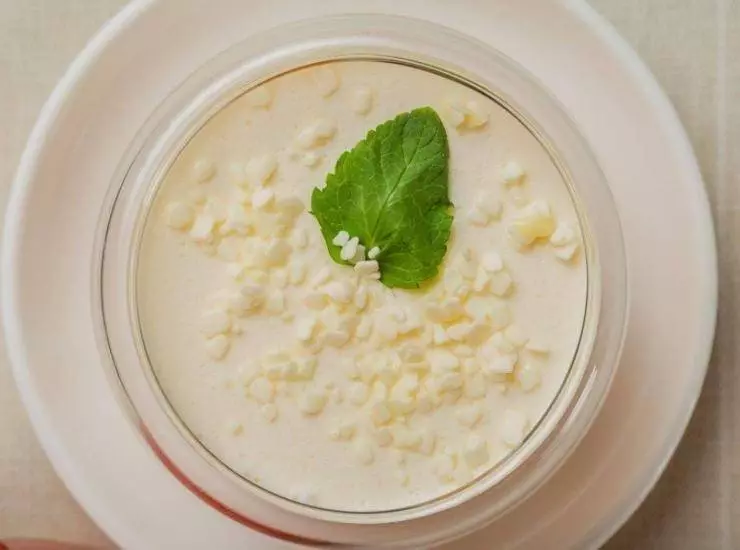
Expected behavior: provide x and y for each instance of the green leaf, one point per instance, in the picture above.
(391, 191)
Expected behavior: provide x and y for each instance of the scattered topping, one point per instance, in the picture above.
(475, 453)
(214, 323)
(203, 170)
(466, 115)
(513, 427)
(317, 134)
(362, 100)
(512, 173)
(260, 170)
(312, 402)
(532, 222)
(179, 216)
(327, 80)
(217, 347)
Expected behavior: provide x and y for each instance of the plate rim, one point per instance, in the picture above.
(22, 182)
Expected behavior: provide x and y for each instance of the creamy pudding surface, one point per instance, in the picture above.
(309, 375)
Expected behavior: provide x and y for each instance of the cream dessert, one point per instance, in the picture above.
(305, 360)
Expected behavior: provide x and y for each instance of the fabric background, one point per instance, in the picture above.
(692, 47)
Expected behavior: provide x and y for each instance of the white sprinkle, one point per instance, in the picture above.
(312, 402)
(364, 452)
(214, 323)
(564, 234)
(513, 427)
(529, 376)
(349, 249)
(566, 253)
(373, 253)
(262, 198)
(512, 173)
(327, 80)
(260, 170)
(300, 238)
(202, 230)
(340, 291)
(476, 451)
(367, 268)
(362, 100)
(203, 170)
(310, 159)
(217, 347)
(340, 239)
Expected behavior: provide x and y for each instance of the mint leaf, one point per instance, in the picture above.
(391, 191)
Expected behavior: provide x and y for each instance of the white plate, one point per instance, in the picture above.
(150, 47)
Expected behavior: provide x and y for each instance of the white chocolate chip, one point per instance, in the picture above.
(529, 376)
(202, 229)
(532, 222)
(327, 80)
(203, 170)
(563, 235)
(469, 416)
(367, 268)
(476, 452)
(277, 252)
(341, 292)
(501, 364)
(341, 238)
(445, 312)
(535, 345)
(306, 328)
(300, 239)
(316, 134)
(475, 114)
(566, 253)
(501, 284)
(512, 173)
(361, 101)
(237, 220)
(513, 427)
(218, 346)
(214, 323)
(349, 249)
(179, 215)
(444, 467)
(312, 402)
(364, 452)
(516, 336)
(262, 198)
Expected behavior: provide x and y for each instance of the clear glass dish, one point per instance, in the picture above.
(418, 44)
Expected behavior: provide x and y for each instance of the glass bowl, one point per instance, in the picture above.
(449, 54)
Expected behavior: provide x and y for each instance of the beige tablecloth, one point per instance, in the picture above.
(692, 46)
